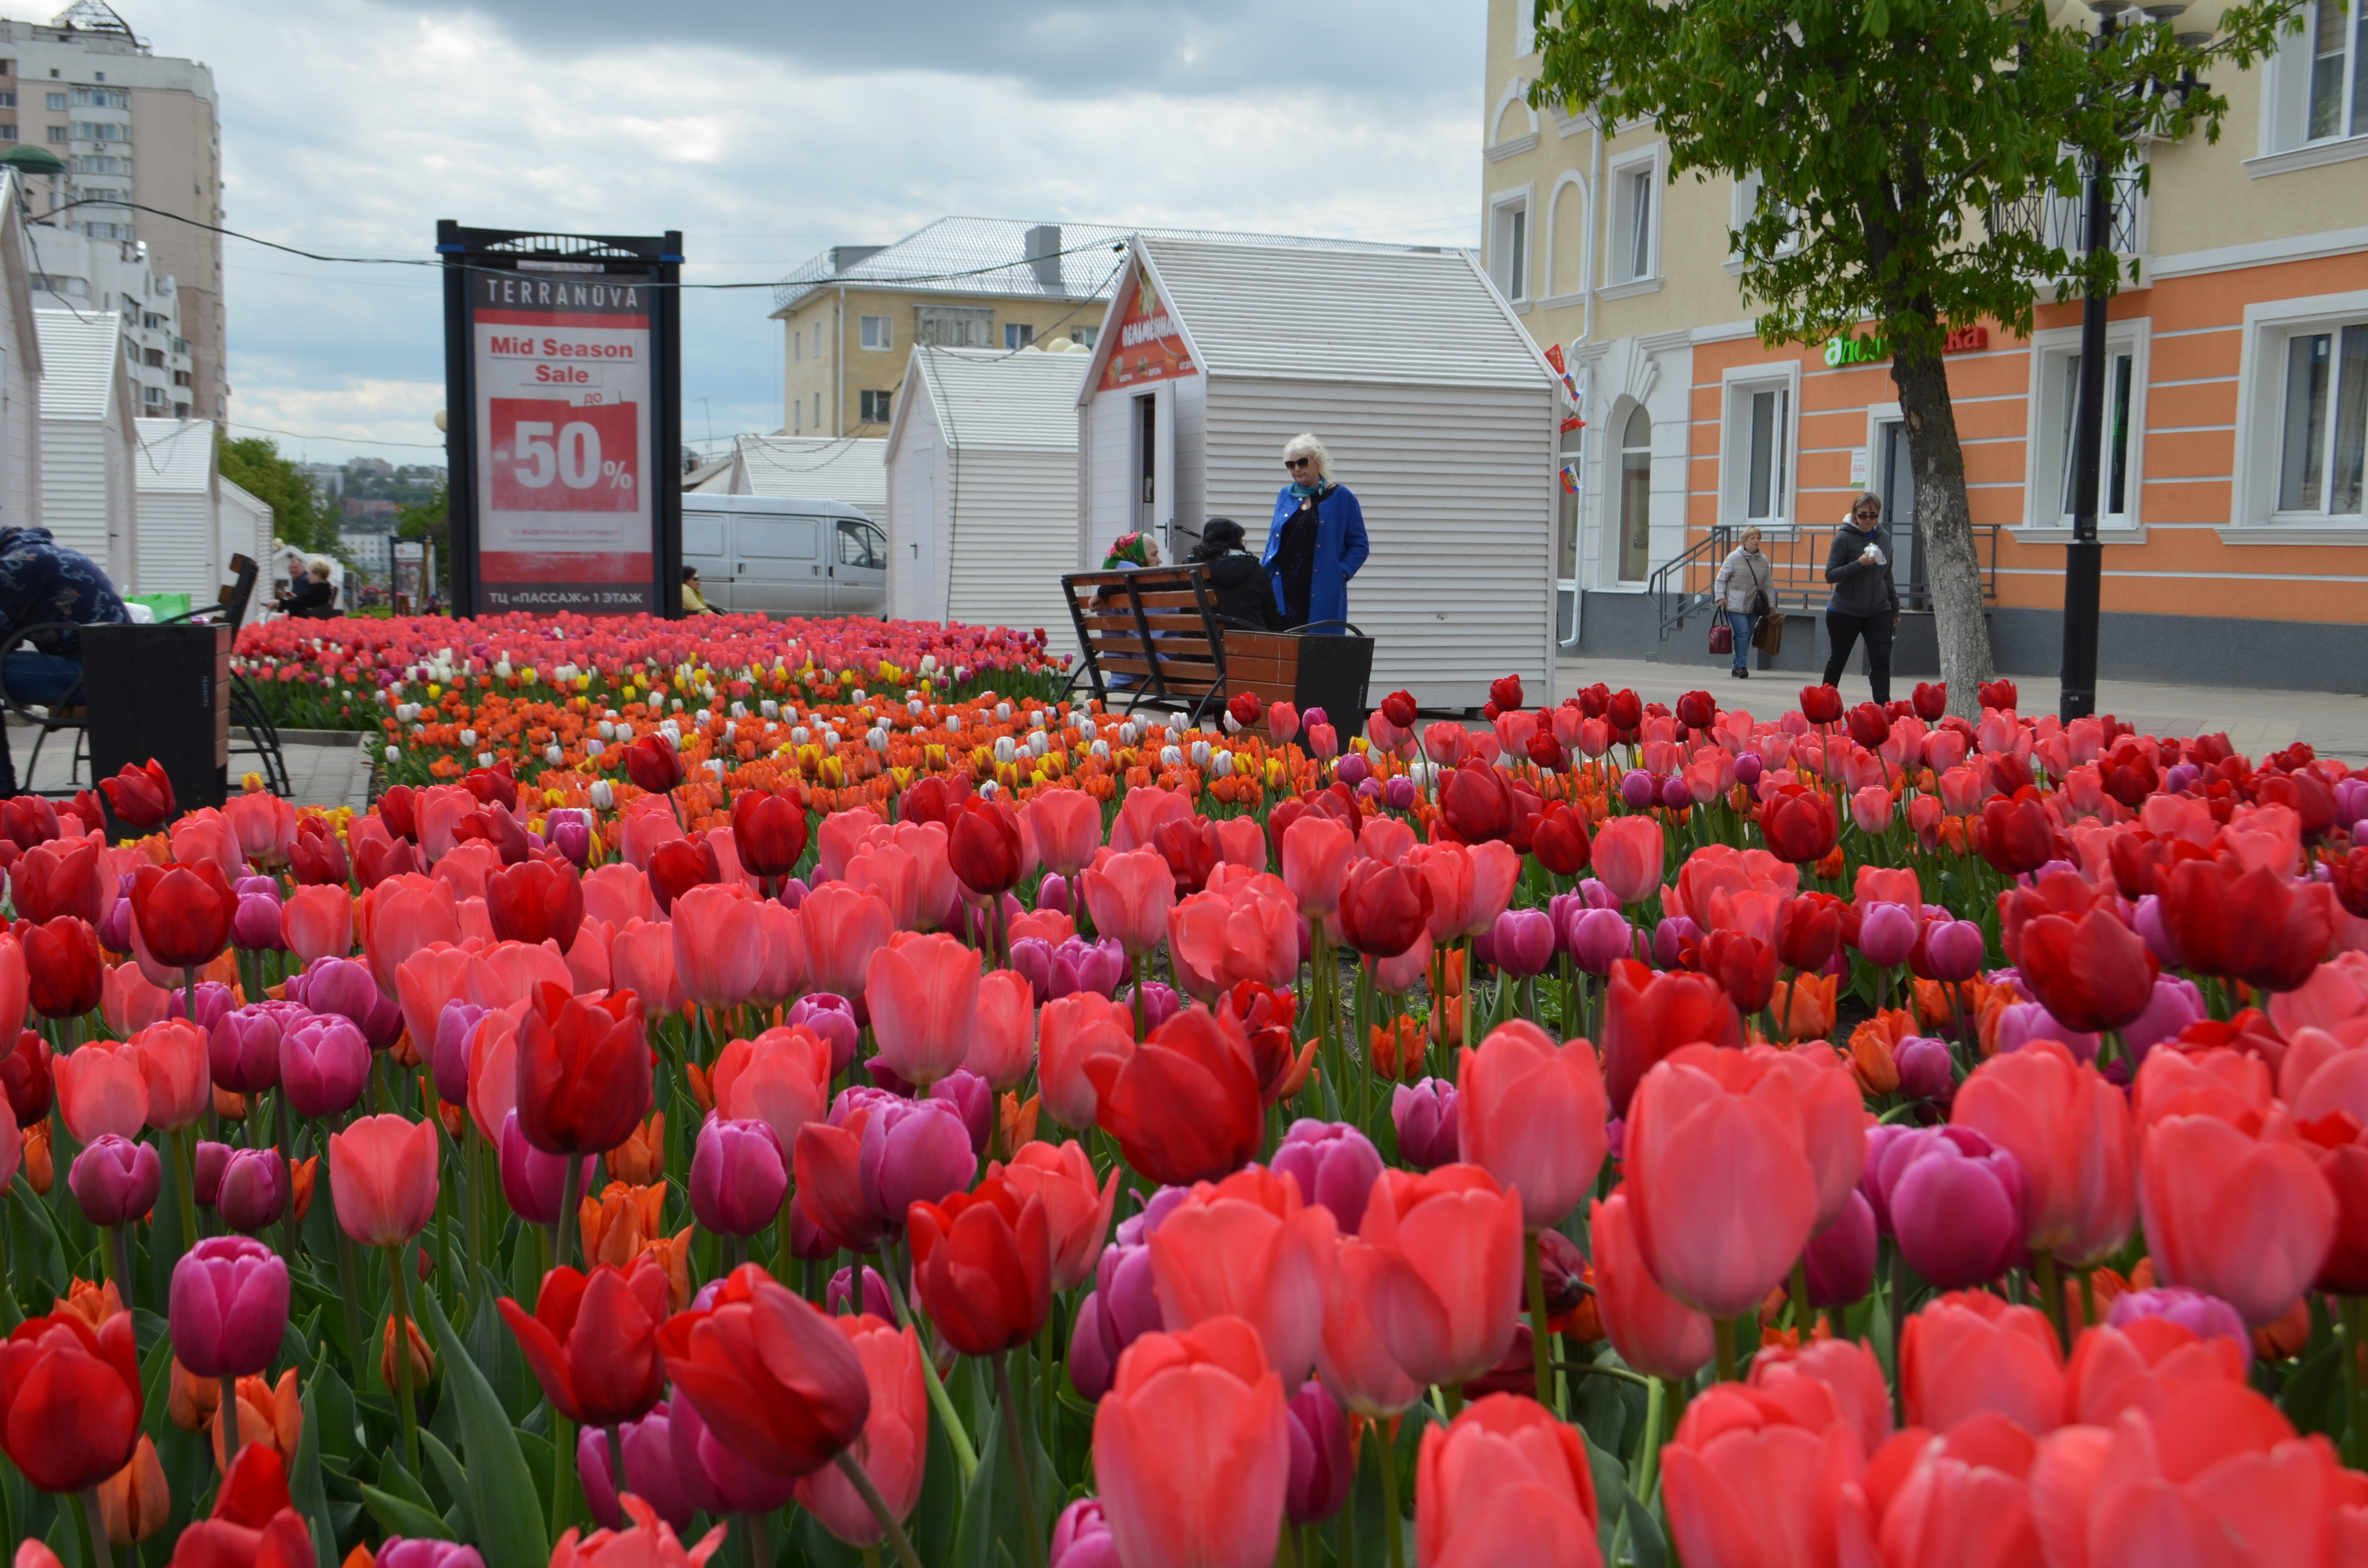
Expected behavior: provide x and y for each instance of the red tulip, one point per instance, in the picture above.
(1076, 1211)
(1967, 1496)
(983, 844)
(894, 1446)
(1475, 803)
(141, 797)
(399, 916)
(1184, 1105)
(678, 866)
(1809, 930)
(2095, 975)
(827, 1161)
(1821, 704)
(768, 1375)
(1130, 895)
(1384, 909)
(2254, 925)
(1067, 826)
(1249, 1247)
(101, 1088)
(1744, 966)
(2016, 835)
(1531, 1114)
(1652, 1014)
(2070, 1132)
(65, 972)
(70, 1398)
(1398, 708)
(1968, 1351)
(2351, 881)
(1190, 848)
(177, 1066)
(2144, 1366)
(1560, 840)
(534, 902)
(319, 858)
(2249, 1220)
(1930, 700)
(28, 1076)
(1315, 853)
(769, 831)
(1829, 1378)
(584, 1071)
(592, 1342)
(46, 884)
(1192, 1450)
(843, 926)
(1653, 1332)
(383, 1170)
(983, 1267)
(1749, 1480)
(318, 921)
(1628, 856)
(1437, 1267)
(184, 914)
(653, 764)
(1506, 1482)
(1799, 824)
(1069, 1031)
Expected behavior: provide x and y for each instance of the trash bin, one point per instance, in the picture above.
(162, 692)
(1311, 669)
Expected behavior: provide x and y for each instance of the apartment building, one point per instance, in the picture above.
(852, 316)
(136, 127)
(2237, 389)
(73, 271)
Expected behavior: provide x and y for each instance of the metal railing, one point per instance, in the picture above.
(1681, 586)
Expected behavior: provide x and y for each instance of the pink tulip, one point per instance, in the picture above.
(923, 994)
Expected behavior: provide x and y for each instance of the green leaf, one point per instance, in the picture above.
(1648, 1548)
(1611, 1479)
(400, 1483)
(403, 1518)
(511, 1536)
(453, 1480)
(304, 1488)
(51, 1245)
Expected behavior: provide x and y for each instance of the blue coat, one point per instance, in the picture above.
(1340, 549)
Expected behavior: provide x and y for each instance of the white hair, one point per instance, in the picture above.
(1307, 445)
(317, 565)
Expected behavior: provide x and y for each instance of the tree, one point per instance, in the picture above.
(431, 520)
(1884, 133)
(299, 515)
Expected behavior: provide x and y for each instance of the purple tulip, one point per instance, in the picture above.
(1398, 794)
(2176, 1004)
(1484, 948)
(2156, 932)
(1953, 1201)
(1334, 1164)
(399, 1552)
(255, 927)
(205, 1171)
(1032, 959)
(1352, 769)
(448, 1058)
(972, 1098)
(913, 1151)
(2181, 776)
(1637, 788)
(1123, 1303)
(254, 1190)
(1598, 896)
(1093, 1349)
(532, 1181)
(115, 1180)
(1079, 965)
(1599, 938)
(2020, 1023)
(738, 1177)
(1082, 1538)
(570, 835)
(1052, 893)
(1670, 938)
(1525, 941)
(1321, 1468)
(228, 1307)
(1926, 1071)
(243, 1049)
(2200, 1314)
(832, 1016)
(1747, 768)
(711, 1477)
(1561, 910)
(332, 984)
(214, 999)
(323, 1062)
(1886, 934)
(1676, 794)
(1952, 950)
(1160, 1003)
(1562, 1268)
(1840, 1258)
(2351, 798)
(839, 1296)
(649, 1468)
(1424, 1114)
(793, 891)
(115, 925)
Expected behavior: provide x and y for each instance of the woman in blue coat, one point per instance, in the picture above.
(1317, 539)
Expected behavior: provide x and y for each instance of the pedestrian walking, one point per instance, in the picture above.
(1316, 540)
(1746, 590)
(1866, 601)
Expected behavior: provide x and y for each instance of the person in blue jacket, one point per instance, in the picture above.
(1317, 539)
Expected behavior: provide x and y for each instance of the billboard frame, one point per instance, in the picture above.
(467, 250)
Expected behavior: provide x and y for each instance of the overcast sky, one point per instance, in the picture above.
(766, 131)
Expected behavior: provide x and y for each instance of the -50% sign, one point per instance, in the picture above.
(553, 456)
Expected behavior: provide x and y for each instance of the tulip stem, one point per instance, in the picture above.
(185, 1184)
(1898, 1306)
(119, 1244)
(230, 1423)
(1019, 1476)
(965, 1456)
(2354, 1312)
(406, 1413)
(287, 1118)
(898, 1541)
(1393, 1522)
(349, 1297)
(93, 1520)
(562, 1474)
(1725, 1329)
(1648, 1463)
(571, 1191)
(1533, 1263)
(616, 1458)
(2050, 1288)
(1799, 1291)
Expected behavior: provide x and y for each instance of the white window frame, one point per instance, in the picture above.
(1621, 279)
(1738, 385)
(2260, 423)
(2046, 437)
(1745, 203)
(2286, 143)
(1571, 186)
(1511, 265)
(878, 335)
(1516, 96)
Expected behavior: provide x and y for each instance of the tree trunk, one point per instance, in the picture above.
(1944, 523)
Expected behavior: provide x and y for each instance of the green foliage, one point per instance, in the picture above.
(299, 515)
(1884, 131)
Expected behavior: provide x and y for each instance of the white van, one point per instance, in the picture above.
(783, 557)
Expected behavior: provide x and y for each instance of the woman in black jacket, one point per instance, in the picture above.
(1244, 592)
(1865, 600)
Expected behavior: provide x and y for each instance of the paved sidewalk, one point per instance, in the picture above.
(2335, 724)
(330, 774)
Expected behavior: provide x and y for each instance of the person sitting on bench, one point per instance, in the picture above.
(1243, 590)
(313, 600)
(43, 582)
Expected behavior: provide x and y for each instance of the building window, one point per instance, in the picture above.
(1018, 335)
(875, 332)
(57, 100)
(1508, 247)
(875, 408)
(1633, 247)
(154, 357)
(2056, 414)
(798, 417)
(152, 396)
(93, 163)
(2324, 421)
(101, 98)
(7, 133)
(1636, 498)
(797, 347)
(1088, 336)
(180, 378)
(817, 419)
(1760, 427)
(7, 100)
(2338, 91)
(101, 131)
(58, 135)
(954, 326)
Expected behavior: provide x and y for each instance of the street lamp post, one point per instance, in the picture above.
(2084, 557)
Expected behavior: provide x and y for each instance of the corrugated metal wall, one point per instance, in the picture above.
(75, 484)
(176, 545)
(1013, 536)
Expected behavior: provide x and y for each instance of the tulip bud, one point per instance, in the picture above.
(1423, 1115)
(423, 1363)
(228, 1306)
(571, 833)
(254, 1190)
(1886, 934)
(206, 1170)
(738, 1177)
(2201, 1315)
(1524, 942)
(214, 999)
(532, 1181)
(1082, 1538)
(115, 1180)
(1953, 1199)
(256, 926)
(1334, 1164)
(831, 1017)
(1599, 938)
(455, 1026)
(1952, 950)
(1927, 1071)
(242, 1049)
(1160, 1003)
(323, 1064)
(839, 1297)
(1840, 1258)
(1670, 938)
(1353, 770)
(1321, 1465)
(1052, 893)
(972, 1098)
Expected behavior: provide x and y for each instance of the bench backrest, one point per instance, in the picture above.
(1117, 614)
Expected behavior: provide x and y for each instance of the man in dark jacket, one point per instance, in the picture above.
(1865, 600)
(40, 582)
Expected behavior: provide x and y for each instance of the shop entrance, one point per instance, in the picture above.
(1895, 483)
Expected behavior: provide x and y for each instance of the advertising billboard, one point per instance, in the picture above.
(563, 353)
(1151, 345)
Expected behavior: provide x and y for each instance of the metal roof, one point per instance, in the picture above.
(991, 258)
(984, 398)
(848, 469)
(79, 360)
(176, 456)
(1404, 317)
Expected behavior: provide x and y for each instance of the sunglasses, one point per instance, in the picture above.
(1299, 462)
(1870, 514)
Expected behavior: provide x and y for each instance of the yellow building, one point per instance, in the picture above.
(2237, 403)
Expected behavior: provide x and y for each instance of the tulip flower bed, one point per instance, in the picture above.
(1614, 1135)
(350, 673)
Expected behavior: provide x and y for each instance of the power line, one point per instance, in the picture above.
(350, 440)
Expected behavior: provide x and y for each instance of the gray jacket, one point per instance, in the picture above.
(1743, 577)
(1860, 586)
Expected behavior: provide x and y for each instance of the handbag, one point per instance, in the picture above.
(1769, 635)
(1721, 637)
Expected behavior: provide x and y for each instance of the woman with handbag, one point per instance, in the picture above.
(1744, 590)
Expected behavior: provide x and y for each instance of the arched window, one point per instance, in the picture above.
(1574, 476)
(1567, 238)
(1636, 498)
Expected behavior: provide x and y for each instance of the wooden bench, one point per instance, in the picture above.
(1157, 627)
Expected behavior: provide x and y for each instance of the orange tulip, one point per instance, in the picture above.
(1249, 1246)
(1653, 1332)
(1192, 1450)
(101, 1089)
(190, 1401)
(91, 1304)
(1437, 1265)
(1804, 1006)
(619, 1221)
(135, 1502)
(2246, 1220)
(1968, 1351)
(382, 1173)
(895, 1445)
(640, 1158)
(1531, 1114)
(1506, 1482)
(423, 1361)
(1398, 1049)
(269, 1413)
(40, 1170)
(1076, 1212)
(2070, 1131)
